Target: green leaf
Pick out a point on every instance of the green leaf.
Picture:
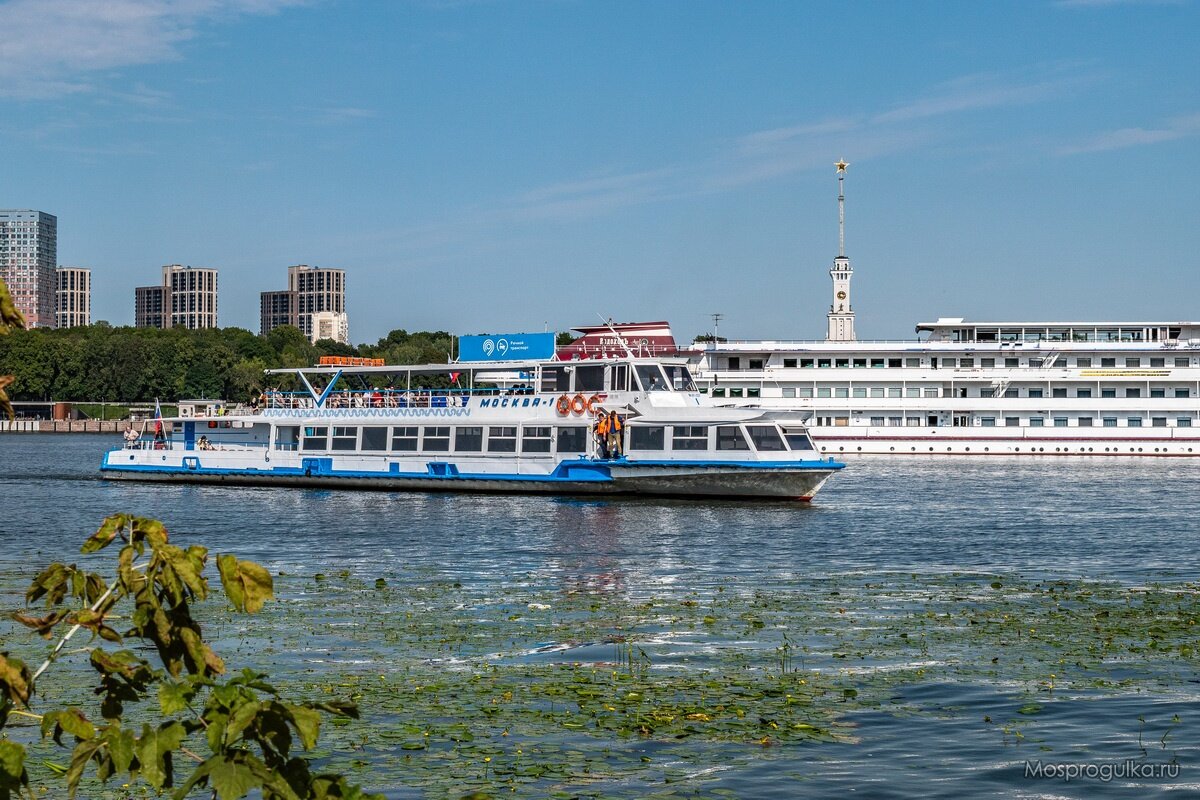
(240, 718)
(120, 747)
(153, 751)
(70, 720)
(108, 531)
(15, 680)
(227, 565)
(248, 585)
(307, 722)
(12, 767)
(232, 775)
(79, 760)
(174, 697)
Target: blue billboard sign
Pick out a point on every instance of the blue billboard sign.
(506, 347)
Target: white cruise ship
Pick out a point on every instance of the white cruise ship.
(961, 388)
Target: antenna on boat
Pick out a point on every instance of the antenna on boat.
(609, 324)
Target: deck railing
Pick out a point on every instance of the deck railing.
(387, 398)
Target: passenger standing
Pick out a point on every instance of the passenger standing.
(602, 435)
(615, 427)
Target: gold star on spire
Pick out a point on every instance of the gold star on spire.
(841, 165)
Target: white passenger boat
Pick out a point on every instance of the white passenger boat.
(514, 427)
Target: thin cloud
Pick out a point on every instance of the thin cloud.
(50, 48)
(1178, 128)
(1105, 3)
(984, 91)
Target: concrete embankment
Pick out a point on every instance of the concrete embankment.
(62, 426)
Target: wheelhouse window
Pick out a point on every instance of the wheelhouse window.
(535, 440)
(315, 438)
(689, 437)
(572, 439)
(404, 439)
(502, 440)
(647, 437)
(555, 379)
(589, 378)
(730, 437)
(468, 439)
(286, 437)
(766, 438)
(798, 440)
(374, 438)
(436, 440)
(651, 378)
(680, 378)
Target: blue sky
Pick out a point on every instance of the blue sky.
(504, 166)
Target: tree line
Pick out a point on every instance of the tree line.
(132, 365)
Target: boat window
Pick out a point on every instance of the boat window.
(468, 439)
(535, 440)
(437, 440)
(572, 439)
(314, 438)
(651, 378)
(798, 440)
(766, 438)
(287, 436)
(502, 440)
(647, 437)
(589, 378)
(730, 437)
(374, 438)
(344, 438)
(555, 379)
(619, 380)
(679, 377)
(689, 437)
(404, 439)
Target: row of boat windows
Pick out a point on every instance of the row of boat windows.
(535, 439)
(934, 391)
(971, 362)
(933, 420)
(1064, 334)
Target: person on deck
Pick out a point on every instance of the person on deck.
(615, 428)
(602, 435)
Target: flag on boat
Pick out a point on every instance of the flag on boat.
(454, 377)
(158, 423)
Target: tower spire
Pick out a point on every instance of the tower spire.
(841, 313)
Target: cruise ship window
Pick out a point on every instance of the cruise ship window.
(1060, 392)
(1083, 392)
(804, 391)
(1158, 422)
(860, 362)
(1035, 392)
(1012, 362)
(689, 437)
(1085, 422)
(502, 439)
(1108, 392)
(1133, 392)
(987, 363)
(987, 422)
(1133, 422)
(535, 440)
(895, 391)
(374, 438)
(1183, 422)
(987, 391)
(1108, 362)
(314, 438)
(766, 438)
(823, 363)
(1012, 392)
(823, 391)
(735, 392)
(789, 391)
(841, 391)
(789, 363)
(912, 391)
(895, 422)
(842, 363)
(1036, 362)
(806, 363)
(894, 363)
(860, 391)
(572, 439)
(876, 422)
(436, 440)
(912, 422)
(1060, 422)
(647, 437)
(1083, 362)
(718, 392)
(1181, 361)
(1133, 362)
(1183, 393)
(947, 362)
(1158, 362)
(1035, 422)
(876, 391)
(931, 392)
(756, 363)
(966, 362)
(1012, 422)
(468, 439)
(729, 437)
(912, 362)
(1158, 392)
(735, 363)
(1110, 422)
(876, 363)
(753, 392)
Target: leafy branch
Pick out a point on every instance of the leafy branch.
(237, 734)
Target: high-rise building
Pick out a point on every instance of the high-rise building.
(187, 298)
(311, 291)
(277, 308)
(73, 300)
(330, 325)
(28, 257)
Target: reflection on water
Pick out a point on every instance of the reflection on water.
(1127, 520)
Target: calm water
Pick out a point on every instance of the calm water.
(1130, 521)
